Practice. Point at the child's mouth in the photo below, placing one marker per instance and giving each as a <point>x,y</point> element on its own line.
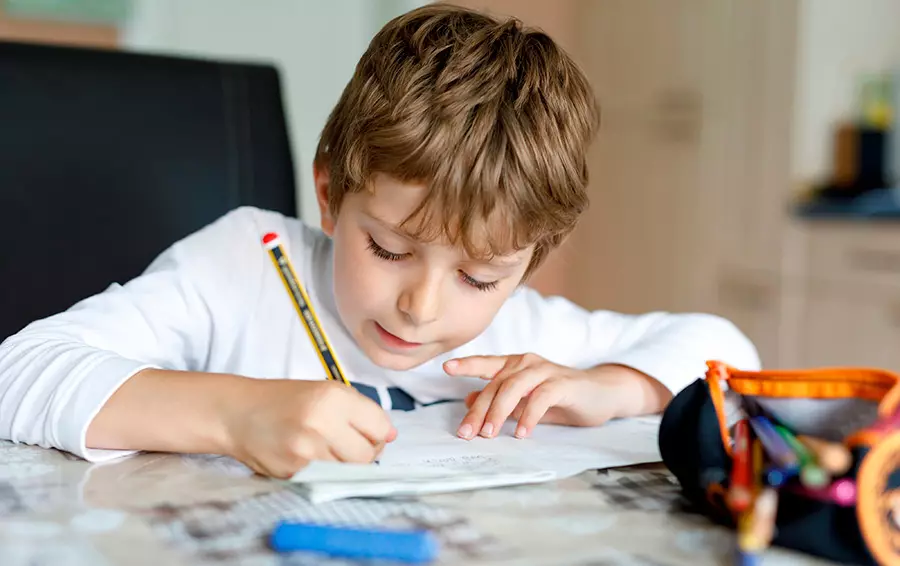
<point>394,341</point>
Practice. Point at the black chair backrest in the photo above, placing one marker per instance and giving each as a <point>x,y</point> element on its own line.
<point>108,157</point>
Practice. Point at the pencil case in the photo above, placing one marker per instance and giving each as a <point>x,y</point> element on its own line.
<point>855,517</point>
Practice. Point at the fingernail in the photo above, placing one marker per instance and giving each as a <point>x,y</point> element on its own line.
<point>521,432</point>
<point>465,431</point>
<point>450,364</point>
<point>487,430</point>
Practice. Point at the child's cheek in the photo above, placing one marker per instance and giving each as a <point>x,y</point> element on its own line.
<point>474,317</point>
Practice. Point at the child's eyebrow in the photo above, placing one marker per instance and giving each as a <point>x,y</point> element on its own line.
<point>393,228</point>
<point>505,262</point>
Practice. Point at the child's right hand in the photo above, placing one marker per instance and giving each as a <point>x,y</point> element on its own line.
<point>279,426</point>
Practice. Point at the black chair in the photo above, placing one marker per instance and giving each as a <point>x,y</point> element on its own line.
<point>107,158</point>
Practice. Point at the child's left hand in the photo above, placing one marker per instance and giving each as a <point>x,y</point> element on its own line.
<point>531,389</point>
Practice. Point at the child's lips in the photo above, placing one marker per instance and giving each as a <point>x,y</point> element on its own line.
<point>393,340</point>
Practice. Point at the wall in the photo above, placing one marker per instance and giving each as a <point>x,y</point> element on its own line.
<point>315,45</point>
<point>838,41</point>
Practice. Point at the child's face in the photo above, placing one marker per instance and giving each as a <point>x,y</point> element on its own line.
<point>404,301</point>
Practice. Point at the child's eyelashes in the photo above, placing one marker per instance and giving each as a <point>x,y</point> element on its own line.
<point>386,255</point>
<point>383,253</point>
<point>480,285</point>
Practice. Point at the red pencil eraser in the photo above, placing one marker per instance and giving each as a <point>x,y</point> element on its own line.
<point>269,237</point>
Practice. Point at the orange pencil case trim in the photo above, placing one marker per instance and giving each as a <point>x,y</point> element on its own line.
<point>870,384</point>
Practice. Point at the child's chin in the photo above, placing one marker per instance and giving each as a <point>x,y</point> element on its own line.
<point>393,361</point>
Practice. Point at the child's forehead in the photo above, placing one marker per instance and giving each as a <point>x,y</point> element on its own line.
<point>389,196</point>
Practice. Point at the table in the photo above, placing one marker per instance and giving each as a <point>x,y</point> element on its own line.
<point>201,509</point>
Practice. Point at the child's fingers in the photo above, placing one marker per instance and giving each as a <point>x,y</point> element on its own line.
<point>349,445</point>
<point>473,422</point>
<point>517,412</point>
<point>485,367</point>
<point>545,396</point>
<point>302,447</point>
<point>470,398</point>
<point>371,420</point>
<point>507,397</point>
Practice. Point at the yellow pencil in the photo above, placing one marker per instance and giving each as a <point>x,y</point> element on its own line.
<point>761,524</point>
<point>304,308</point>
<point>747,519</point>
<point>756,526</point>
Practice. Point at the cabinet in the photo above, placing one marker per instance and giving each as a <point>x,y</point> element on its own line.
<point>851,325</point>
<point>852,291</point>
<point>752,299</point>
<point>854,252</point>
<point>691,171</point>
<point>643,244</point>
<point>751,164</point>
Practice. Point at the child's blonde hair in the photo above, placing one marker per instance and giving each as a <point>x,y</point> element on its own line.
<point>494,118</point>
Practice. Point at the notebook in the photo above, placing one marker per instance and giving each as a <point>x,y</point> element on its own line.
<point>428,457</point>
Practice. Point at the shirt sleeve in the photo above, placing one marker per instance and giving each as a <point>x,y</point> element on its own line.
<point>672,348</point>
<point>57,373</point>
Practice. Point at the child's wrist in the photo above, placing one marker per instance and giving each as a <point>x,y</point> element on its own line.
<point>636,393</point>
<point>230,401</point>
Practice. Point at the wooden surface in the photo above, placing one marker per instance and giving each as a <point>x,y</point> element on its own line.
<point>59,33</point>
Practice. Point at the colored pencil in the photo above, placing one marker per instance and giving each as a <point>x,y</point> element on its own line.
<point>833,457</point>
<point>811,474</point>
<point>784,459</point>
<point>740,492</point>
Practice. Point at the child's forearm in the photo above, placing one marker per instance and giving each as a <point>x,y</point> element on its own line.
<point>168,411</point>
<point>274,426</point>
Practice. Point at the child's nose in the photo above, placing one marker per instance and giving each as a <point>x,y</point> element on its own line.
<point>421,301</point>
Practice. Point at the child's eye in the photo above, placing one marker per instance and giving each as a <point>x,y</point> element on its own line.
<point>383,253</point>
<point>480,285</point>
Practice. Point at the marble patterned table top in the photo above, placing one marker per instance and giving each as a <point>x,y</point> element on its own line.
<point>178,509</point>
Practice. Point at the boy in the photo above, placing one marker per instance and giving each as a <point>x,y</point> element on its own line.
<point>453,163</point>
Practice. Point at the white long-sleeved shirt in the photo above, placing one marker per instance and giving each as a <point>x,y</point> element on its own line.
<point>213,302</point>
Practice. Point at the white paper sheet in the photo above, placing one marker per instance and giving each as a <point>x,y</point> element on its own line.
<point>428,457</point>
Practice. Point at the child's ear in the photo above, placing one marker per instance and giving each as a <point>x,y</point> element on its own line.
<point>321,179</point>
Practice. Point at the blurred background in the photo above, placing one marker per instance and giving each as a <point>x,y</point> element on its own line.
<point>746,162</point>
